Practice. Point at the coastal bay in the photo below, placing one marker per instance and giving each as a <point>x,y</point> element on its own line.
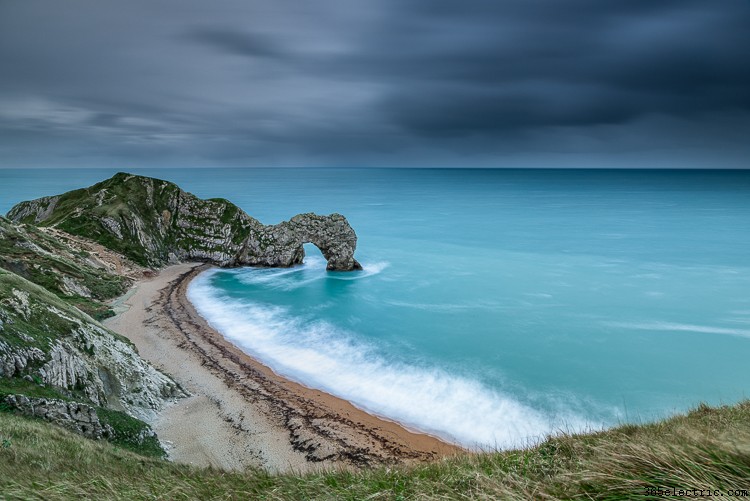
<point>374,251</point>
<point>504,306</point>
<point>240,413</point>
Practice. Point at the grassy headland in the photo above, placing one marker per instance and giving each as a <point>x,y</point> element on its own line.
<point>707,449</point>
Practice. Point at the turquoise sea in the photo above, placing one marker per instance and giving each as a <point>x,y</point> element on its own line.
<point>495,306</point>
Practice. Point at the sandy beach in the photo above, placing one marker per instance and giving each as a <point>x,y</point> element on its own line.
<point>240,413</point>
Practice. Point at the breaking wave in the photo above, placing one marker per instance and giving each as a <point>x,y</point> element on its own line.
<point>324,356</point>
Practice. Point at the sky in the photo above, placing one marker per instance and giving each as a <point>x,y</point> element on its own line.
<point>389,83</point>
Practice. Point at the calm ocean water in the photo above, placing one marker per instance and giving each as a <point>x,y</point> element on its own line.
<point>495,305</point>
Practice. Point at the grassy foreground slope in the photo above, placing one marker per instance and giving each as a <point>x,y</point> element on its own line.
<point>707,449</point>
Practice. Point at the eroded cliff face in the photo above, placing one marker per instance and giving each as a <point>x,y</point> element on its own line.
<point>44,340</point>
<point>155,223</point>
<point>75,416</point>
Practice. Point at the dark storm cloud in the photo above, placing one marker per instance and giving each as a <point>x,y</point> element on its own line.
<point>570,64</point>
<point>511,83</point>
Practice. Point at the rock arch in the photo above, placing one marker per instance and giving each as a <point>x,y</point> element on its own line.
<point>332,235</point>
<point>282,244</point>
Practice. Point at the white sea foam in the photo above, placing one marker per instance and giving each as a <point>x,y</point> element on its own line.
<point>368,270</point>
<point>315,263</point>
<point>263,276</point>
<point>677,327</point>
<point>542,295</point>
<point>322,356</point>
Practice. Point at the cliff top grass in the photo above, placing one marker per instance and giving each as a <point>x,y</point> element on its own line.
<point>708,449</point>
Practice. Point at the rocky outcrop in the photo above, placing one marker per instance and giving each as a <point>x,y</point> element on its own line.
<point>282,244</point>
<point>155,223</point>
<point>13,360</point>
<point>332,235</point>
<point>45,340</point>
<point>86,420</point>
<point>39,210</point>
<point>75,416</point>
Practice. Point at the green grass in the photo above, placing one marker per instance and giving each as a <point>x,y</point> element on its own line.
<point>43,326</point>
<point>16,386</point>
<point>707,449</point>
<point>20,254</point>
<point>91,228</point>
<point>129,433</point>
<point>94,309</point>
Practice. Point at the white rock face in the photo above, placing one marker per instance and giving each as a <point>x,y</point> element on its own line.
<point>109,371</point>
<point>13,360</point>
<point>41,208</point>
<point>112,225</point>
<point>78,417</point>
<point>65,369</point>
<point>71,287</point>
<point>68,350</point>
<point>19,301</point>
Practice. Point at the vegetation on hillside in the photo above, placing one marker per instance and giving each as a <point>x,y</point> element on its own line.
<point>143,218</point>
<point>26,326</point>
<point>50,286</point>
<point>129,433</point>
<point>708,449</point>
<point>34,318</point>
<point>68,272</point>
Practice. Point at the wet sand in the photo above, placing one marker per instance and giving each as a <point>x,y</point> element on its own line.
<point>240,413</point>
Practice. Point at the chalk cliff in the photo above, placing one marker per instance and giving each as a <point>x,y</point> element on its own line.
<point>46,341</point>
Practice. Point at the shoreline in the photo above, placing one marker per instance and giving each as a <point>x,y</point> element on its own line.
<point>240,412</point>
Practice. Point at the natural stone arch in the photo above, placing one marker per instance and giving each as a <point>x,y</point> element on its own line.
<point>332,235</point>
<point>282,244</point>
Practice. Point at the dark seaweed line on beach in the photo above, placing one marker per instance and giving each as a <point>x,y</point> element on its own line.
<point>305,420</point>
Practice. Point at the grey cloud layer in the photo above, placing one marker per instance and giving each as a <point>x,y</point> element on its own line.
<point>511,83</point>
